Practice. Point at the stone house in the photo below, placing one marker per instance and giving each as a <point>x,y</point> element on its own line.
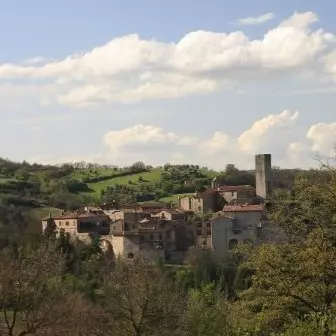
<point>78,224</point>
<point>158,233</point>
<point>209,200</point>
<point>236,224</point>
<point>239,194</point>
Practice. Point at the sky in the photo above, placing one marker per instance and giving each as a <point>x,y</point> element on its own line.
<point>201,82</point>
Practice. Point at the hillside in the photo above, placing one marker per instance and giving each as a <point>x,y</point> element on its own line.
<point>70,186</point>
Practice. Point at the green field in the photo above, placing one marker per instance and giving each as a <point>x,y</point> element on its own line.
<point>150,177</point>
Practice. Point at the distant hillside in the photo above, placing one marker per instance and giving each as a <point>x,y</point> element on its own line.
<point>70,186</point>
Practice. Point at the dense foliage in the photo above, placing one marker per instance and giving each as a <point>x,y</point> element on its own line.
<point>54,286</point>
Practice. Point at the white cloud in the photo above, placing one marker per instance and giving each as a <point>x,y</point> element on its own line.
<point>155,145</point>
<point>255,20</point>
<point>323,138</point>
<point>129,69</point>
<point>253,138</point>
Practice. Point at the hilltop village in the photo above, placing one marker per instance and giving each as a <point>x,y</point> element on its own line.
<point>216,219</point>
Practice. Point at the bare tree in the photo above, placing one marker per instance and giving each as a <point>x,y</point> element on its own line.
<point>140,300</point>
<point>33,295</point>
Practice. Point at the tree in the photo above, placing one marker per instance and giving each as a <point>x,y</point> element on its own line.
<point>295,283</point>
<point>207,313</point>
<point>22,174</point>
<point>33,295</point>
<point>140,300</point>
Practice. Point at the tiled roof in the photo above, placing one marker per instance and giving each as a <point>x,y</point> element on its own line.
<point>244,208</point>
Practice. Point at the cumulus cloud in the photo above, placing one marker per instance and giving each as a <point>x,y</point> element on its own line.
<point>255,20</point>
<point>130,69</point>
<point>155,145</point>
<point>323,137</point>
<point>253,138</point>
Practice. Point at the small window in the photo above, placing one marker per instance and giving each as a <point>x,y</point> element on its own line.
<point>141,238</point>
<point>130,255</point>
<point>160,236</point>
<point>151,237</point>
<point>208,224</point>
<point>60,223</point>
<point>67,223</point>
<point>232,194</point>
<point>114,228</point>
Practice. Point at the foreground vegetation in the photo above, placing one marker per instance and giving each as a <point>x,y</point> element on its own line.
<point>51,286</point>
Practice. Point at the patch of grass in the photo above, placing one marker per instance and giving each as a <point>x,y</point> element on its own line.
<point>150,177</point>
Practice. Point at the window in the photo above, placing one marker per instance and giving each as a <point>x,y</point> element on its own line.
<point>126,227</point>
<point>232,194</point>
<point>60,223</point>
<point>130,255</point>
<point>67,223</point>
<point>208,224</point>
<point>233,243</point>
<point>141,238</point>
<point>151,237</point>
<point>160,236</point>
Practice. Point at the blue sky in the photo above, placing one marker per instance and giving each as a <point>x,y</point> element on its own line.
<point>208,82</point>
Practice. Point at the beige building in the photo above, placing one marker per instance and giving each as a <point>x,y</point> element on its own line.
<point>79,224</point>
<point>155,233</point>
<point>200,203</point>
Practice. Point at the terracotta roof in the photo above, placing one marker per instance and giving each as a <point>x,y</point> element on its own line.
<point>244,208</point>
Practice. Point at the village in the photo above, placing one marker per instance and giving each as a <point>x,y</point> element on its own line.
<point>158,231</point>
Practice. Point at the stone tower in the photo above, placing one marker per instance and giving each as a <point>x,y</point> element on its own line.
<point>263,167</point>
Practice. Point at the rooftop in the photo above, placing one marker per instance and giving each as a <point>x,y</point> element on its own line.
<point>244,208</point>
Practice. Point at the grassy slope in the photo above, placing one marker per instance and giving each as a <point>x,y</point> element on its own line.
<point>148,177</point>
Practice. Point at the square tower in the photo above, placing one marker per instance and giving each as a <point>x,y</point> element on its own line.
<point>263,168</point>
